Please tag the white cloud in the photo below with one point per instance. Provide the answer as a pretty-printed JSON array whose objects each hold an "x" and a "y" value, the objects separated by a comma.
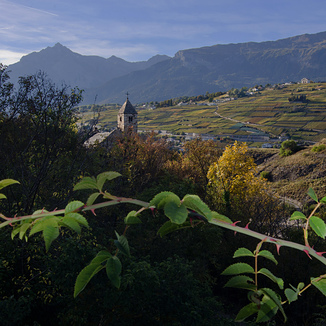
[{"x": 9, "y": 57}]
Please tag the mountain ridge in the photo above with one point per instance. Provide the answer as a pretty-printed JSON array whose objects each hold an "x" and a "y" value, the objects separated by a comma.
[{"x": 190, "y": 72}]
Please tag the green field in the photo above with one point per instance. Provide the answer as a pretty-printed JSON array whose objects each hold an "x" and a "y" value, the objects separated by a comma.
[{"x": 268, "y": 111}]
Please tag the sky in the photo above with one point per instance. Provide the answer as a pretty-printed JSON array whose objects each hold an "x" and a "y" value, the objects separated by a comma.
[{"x": 137, "y": 30}]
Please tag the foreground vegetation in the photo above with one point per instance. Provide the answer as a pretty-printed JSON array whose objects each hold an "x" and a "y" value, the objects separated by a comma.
[{"x": 174, "y": 280}]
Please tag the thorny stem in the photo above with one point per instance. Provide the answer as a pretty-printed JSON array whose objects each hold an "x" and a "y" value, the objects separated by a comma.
[
  {"x": 119, "y": 200},
  {"x": 276, "y": 241}
]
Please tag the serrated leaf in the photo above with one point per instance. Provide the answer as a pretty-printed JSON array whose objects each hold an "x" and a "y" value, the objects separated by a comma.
[
  {"x": 50, "y": 233},
  {"x": 267, "y": 254},
  {"x": 40, "y": 211},
  {"x": 267, "y": 311},
  {"x": 23, "y": 228},
  {"x": 132, "y": 218},
  {"x": 246, "y": 312},
  {"x": 85, "y": 276},
  {"x": 113, "y": 270},
  {"x": 73, "y": 206},
  {"x": 241, "y": 282},
  {"x": 177, "y": 214},
  {"x": 122, "y": 244},
  {"x": 243, "y": 252},
  {"x": 86, "y": 183},
  {"x": 91, "y": 199},
  {"x": 78, "y": 218},
  {"x": 101, "y": 256},
  {"x": 105, "y": 176},
  {"x": 221, "y": 217},
  {"x": 238, "y": 268},
  {"x": 275, "y": 298},
  {"x": 297, "y": 215},
  {"x": 41, "y": 224},
  {"x": 158, "y": 200},
  {"x": 318, "y": 225},
  {"x": 169, "y": 227},
  {"x": 291, "y": 295},
  {"x": 71, "y": 223},
  {"x": 271, "y": 276},
  {"x": 320, "y": 284},
  {"x": 312, "y": 194},
  {"x": 194, "y": 203},
  {"x": 14, "y": 232},
  {"x": 7, "y": 182}
]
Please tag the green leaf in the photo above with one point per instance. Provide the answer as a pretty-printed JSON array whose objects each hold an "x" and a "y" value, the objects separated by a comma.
[
  {"x": 50, "y": 233},
  {"x": 267, "y": 254},
  {"x": 238, "y": 268},
  {"x": 86, "y": 183},
  {"x": 2, "y": 196},
  {"x": 169, "y": 227},
  {"x": 101, "y": 178},
  {"x": 177, "y": 214},
  {"x": 24, "y": 227},
  {"x": 320, "y": 284},
  {"x": 271, "y": 276},
  {"x": 132, "y": 218},
  {"x": 242, "y": 252},
  {"x": 291, "y": 295},
  {"x": 246, "y": 312},
  {"x": 41, "y": 224},
  {"x": 101, "y": 256},
  {"x": 85, "y": 276},
  {"x": 80, "y": 219},
  {"x": 267, "y": 311},
  {"x": 122, "y": 244},
  {"x": 194, "y": 203},
  {"x": 221, "y": 217},
  {"x": 91, "y": 199},
  {"x": 312, "y": 194},
  {"x": 73, "y": 206},
  {"x": 318, "y": 225},
  {"x": 275, "y": 298},
  {"x": 323, "y": 200},
  {"x": 71, "y": 223},
  {"x": 241, "y": 282},
  {"x": 113, "y": 270},
  {"x": 159, "y": 200},
  {"x": 7, "y": 182},
  {"x": 14, "y": 232},
  {"x": 298, "y": 216}
]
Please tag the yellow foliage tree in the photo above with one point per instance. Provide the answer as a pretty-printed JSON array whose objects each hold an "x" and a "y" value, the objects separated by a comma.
[{"x": 233, "y": 177}]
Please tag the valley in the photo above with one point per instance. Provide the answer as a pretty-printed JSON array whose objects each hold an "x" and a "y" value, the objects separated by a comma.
[{"x": 264, "y": 116}]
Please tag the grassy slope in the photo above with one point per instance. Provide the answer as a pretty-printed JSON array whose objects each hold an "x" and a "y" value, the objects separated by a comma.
[{"x": 293, "y": 175}]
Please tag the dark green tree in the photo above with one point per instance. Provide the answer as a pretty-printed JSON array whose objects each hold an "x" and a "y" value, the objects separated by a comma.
[{"x": 39, "y": 142}]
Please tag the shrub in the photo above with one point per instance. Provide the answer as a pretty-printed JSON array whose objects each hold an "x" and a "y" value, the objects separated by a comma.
[
  {"x": 265, "y": 175},
  {"x": 288, "y": 148},
  {"x": 318, "y": 148}
]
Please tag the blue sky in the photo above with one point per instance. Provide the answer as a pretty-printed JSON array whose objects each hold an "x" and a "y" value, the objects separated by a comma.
[{"x": 137, "y": 30}]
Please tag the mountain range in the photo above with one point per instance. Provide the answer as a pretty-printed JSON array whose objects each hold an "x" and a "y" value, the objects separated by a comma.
[{"x": 190, "y": 72}]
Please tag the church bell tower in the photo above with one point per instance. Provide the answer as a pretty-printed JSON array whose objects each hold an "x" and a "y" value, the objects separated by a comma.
[{"x": 127, "y": 117}]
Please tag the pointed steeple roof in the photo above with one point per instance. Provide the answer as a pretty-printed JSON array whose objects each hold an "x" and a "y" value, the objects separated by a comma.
[{"x": 127, "y": 108}]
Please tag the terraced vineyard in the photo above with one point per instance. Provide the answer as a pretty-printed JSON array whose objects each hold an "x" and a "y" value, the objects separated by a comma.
[{"x": 265, "y": 113}]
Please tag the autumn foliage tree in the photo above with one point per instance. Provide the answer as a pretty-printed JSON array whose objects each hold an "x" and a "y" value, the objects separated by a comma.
[{"x": 235, "y": 188}]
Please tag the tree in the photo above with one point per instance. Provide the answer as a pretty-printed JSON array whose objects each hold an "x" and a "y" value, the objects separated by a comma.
[
  {"x": 233, "y": 177},
  {"x": 38, "y": 140}
]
